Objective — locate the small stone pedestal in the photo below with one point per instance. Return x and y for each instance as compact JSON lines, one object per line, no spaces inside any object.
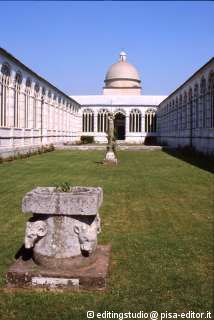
{"x":110,"y":158}
{"x":61,"y":249}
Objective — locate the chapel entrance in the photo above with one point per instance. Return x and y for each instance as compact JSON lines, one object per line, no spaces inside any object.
{"x":120,"y":125}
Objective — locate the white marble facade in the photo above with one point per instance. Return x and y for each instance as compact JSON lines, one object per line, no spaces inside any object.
{"x":135,"y":116}
{"x":186,"y":116}
{"x":33,"y":112}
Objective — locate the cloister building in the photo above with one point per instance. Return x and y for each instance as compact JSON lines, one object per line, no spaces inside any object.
{"x":33,"y":112}
{"x":186,"y":116}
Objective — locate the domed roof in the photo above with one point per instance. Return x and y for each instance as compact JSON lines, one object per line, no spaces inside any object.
{"x":122,"y":70}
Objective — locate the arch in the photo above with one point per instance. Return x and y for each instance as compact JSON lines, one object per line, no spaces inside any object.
{"x":120,"y":126}
{"x":4,"y":93}
{"x":28,"y":83}
{"x":27,"y":102}
{"x":203,"y":106}
{"x":135,"y":120}
{"x":119,"y":110}
{"x":17,"y":91}
{"x":102,"y":120}
{"x":150,"y":121}
{"x":18,"y":77}
{"x":211,"y":97}
{"x":88,"y":120}
{"x":5,"y":69}
{"x":196,"y":106}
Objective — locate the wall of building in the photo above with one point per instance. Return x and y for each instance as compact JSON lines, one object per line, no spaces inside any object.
{"x":139,"y":122}
{"x":122,"y":91}
{"x":32,"y":111}
{"x":186,"y":117}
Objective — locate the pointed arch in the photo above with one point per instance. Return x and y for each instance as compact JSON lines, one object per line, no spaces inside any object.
{"x":88,"y":120}
{"x":4,"y":93}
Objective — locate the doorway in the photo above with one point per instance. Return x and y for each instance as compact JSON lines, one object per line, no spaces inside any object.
{"x":120,"y":125}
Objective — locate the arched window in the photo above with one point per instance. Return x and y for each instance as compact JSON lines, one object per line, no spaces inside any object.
{"x":176,"y":113}
{"x":102,"y":120}
{"x":49,"y":110}
{"x":35,"y":104}
{"x":27,"y":102}
{"x":17,"y":87}
{"x":150,"y":121}
{"x":203,"y":102}
{"x":211,"y":92}
{"x":180,"y":121}
{"x":4,"y":92}
{"x":184,"y":112}
{"x":135,"y":119}
{"x":196,"y":107}
{"x":189,"y":110}
{"x":88,"y":120}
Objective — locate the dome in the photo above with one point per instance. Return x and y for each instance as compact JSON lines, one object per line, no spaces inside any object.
{"x":122,"y":70}
{"x":122,"y":75}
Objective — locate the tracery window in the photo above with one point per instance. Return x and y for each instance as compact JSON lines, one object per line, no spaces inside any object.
{"x":17,"y":92}
{"x":176,"y":113}
{"x":203,"y":113}
{"x":211,"y":91}
{"x":189,"y":110}
{"x":135,"y":119}
{"x":27,"y":102}
{"x":4,"y":92}
{"x":184,"y":111}
{"x":150,"y":120}
{"x":35,"y":104}
{"x":180,"y":112}
{"x":88,"y":121}
{"x":196,"y":108}
{"x":102,"y":120}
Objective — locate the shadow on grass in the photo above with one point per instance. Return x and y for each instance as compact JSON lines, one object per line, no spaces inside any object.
{"x":193,"y":157}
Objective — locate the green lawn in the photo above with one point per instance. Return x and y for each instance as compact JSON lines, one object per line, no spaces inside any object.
{"x":157,"y":214}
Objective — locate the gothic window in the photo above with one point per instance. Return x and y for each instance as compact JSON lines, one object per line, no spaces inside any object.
{"x":27,"y":102}
{"x":135,"y":119}
{"x":150,"y":121}
{"x":35,"y":104}
{"x":88,"y":121}
{"x":43,"y":91}
{"x":180,"y":111}
{"x":4,"y":91}
{"x":203,"y":113}
{"x":102,"y":120}
{"x":184,"y":112}
{"x":176,"y":113}
{"x":189,"y":109}
{"x":17,"y":92}
{"x":196,"y":108}
{"x":211,"y":92}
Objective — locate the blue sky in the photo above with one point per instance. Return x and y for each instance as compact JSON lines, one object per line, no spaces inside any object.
{"x":72,"y":44}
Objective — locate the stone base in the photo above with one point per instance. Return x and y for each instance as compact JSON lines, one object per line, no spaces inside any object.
{"x":110,"y":158}
{"x":25,"y":274}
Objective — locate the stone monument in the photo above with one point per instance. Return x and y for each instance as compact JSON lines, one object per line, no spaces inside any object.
{"x":62,"y":239}
{"x":110,"y":157}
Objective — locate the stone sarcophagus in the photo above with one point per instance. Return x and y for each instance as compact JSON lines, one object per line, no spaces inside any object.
{"x":62,"y":237}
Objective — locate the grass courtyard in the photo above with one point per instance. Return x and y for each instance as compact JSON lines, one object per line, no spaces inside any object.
{"x":157,"y":214}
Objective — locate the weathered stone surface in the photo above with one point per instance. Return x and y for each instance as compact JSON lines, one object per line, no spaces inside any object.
{"x":66,"y":237}
{"x":81,"y":201}
{"x":62,"y":237}
{"x":91,"y":273}
{"x":110,"y":157}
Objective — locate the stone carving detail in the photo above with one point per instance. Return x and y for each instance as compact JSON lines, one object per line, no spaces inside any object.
{"x":65,"y":225}
{"x":87,"y":235}
{"x":35,"y":230}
